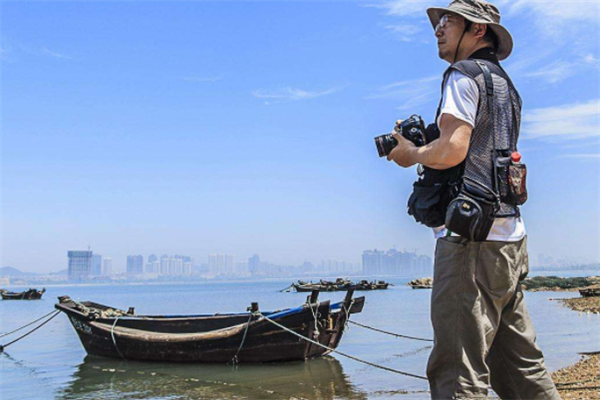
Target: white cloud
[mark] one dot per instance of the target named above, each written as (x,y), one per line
(553,10)
(410,8)
(590,59)
(586,156)
(413,17)
(405,33)
(563,69)
(412,93)
(570,121)
(54,54)
(291,94)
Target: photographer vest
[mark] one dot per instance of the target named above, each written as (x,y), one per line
(507,106)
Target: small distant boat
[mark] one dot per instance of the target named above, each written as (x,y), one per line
(31,294)
(216,338)
(339,285)
(423,283)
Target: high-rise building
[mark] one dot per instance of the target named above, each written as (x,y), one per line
(187,268)
(165,265)
(135,265)
(229,264)
(254,265)
(215,261)
(107,266)
(372,262)
(152,267)
(393,262)
(176,267)
(307,266)
(221,264)
(80,265)
(96,265)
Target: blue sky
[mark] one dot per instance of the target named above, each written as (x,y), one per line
(245,127)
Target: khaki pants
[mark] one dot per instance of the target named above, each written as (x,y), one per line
(483,333)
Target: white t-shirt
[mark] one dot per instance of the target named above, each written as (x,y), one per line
(460,99)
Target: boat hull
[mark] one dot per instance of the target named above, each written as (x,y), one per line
(211,339)
(31,294)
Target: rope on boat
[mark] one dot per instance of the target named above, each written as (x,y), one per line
(26,325)
(315,314)
(347,311)
(341,353)
(2,347)
(234,360)
(389,333)
(112,335)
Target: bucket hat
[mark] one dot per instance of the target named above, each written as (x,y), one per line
(479,12)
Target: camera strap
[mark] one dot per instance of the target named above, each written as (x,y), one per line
(489,91)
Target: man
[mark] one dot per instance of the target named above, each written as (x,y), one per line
(483,334)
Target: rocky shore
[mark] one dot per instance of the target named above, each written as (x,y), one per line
(580,381)
(583,304)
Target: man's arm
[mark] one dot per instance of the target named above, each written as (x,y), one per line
(446,152)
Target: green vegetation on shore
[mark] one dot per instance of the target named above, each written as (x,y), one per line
(539,282)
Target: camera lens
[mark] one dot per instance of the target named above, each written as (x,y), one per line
(385,144)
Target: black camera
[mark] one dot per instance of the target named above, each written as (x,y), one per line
(412,129)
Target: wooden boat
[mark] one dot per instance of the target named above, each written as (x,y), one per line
(31,294)
(422,283)
(217,338)
(339,285)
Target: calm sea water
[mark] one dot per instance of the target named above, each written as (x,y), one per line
(51,363)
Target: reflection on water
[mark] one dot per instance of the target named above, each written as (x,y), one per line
(100,378)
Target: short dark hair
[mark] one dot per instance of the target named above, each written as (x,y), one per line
(489,36)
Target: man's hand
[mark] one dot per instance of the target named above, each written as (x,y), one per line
(403,153)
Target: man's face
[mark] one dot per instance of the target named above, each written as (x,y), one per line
(448,34)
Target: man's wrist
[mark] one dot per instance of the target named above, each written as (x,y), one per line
(415,155)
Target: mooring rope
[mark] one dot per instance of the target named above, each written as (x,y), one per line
(316,315)
(2,347)
(112,335)
(234,360)
(347,311)
(341,353)
(25,326)
(390,333)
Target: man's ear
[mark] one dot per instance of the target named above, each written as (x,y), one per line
(479,30)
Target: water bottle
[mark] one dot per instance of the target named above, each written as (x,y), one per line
(517,179)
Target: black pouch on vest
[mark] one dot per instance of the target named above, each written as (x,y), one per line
(471,213)
(431,195)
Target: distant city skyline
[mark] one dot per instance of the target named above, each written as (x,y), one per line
(85,265)
(247,127)
(101,265)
